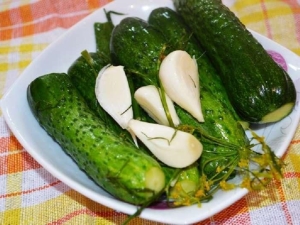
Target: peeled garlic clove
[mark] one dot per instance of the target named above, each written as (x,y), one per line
(179,76)
(149,99)
(173,147)
(113,94)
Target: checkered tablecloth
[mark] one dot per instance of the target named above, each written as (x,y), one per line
(30,195)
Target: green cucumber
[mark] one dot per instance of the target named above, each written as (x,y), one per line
(119,168)
(139,47)
(259,89)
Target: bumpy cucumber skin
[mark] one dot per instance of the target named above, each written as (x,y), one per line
(117,167)
(139,47)
(255,84)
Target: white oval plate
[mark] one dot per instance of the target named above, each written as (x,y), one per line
(59,56)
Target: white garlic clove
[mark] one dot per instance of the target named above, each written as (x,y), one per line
(149,99)
(173,147)
(113,94)
(179,76)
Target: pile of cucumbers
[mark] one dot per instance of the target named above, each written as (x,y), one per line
(240,84)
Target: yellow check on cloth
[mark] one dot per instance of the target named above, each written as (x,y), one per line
(31,195)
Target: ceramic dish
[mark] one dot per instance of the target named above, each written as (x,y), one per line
(60,55)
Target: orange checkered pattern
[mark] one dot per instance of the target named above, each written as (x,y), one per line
(30,195)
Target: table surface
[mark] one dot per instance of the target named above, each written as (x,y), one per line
(27,27)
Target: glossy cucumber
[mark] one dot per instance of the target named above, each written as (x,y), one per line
(140,48)
(259,89)
(119,168)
